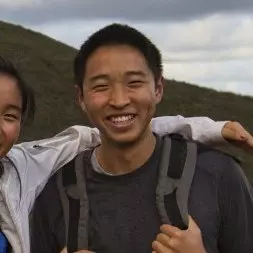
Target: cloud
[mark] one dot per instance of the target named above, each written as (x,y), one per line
(202,42)
(214,38)
(44,11)
(214,51)
(235,76)
(18,4)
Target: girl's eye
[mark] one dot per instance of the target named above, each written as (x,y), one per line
(11,117)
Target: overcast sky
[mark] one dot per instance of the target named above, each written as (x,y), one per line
(209,43)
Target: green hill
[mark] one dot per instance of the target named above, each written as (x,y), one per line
(47,65)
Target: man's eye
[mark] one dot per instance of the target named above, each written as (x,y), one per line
(101,87)
(136,83)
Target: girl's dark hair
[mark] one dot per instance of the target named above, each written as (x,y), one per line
(27,94)
(28,100)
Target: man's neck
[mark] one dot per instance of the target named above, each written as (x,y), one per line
(118,161)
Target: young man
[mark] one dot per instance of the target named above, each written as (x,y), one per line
(27,166)
(118,75)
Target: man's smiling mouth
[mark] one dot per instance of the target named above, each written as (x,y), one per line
(121,118)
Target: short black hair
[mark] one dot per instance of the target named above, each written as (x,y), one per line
(28,100)
(117,34)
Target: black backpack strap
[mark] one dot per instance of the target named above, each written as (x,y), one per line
(176,171)
(64,202)
(82,238)
(71,185)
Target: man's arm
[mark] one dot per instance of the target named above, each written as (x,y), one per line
(236,207)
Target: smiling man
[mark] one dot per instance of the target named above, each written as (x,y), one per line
(119,80)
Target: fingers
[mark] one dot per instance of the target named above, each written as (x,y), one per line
(167,241)
(160,248)
(172,239)
(170,230)
(163,239)
(235,133)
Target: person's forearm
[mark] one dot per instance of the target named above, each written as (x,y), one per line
(202,129)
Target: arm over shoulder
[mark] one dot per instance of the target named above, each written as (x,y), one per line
(202,129)
(36,161)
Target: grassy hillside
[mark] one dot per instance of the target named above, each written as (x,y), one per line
(46,64)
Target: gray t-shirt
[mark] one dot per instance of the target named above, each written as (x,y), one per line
(123,213)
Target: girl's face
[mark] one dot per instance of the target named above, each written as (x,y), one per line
(10,113)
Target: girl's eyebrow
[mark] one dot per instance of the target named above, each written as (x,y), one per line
(14,107)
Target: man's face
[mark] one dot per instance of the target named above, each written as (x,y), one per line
(119,93)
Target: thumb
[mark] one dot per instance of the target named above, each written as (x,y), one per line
(250,141)
(192,223)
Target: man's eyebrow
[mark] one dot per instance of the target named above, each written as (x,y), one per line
(98,77)
(136,73)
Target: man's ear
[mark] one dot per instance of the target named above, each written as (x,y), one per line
(79,97)
(159,89)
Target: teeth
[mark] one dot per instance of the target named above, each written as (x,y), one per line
(120,119)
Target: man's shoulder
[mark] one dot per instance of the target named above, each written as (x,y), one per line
(52,182)
(204,150)
(209,159)
(214,161)
(66,172)
(49,194)
(221,157)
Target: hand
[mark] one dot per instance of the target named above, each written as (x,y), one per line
(234,133)
(173,240)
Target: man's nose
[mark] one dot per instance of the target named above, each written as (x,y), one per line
(119,97)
